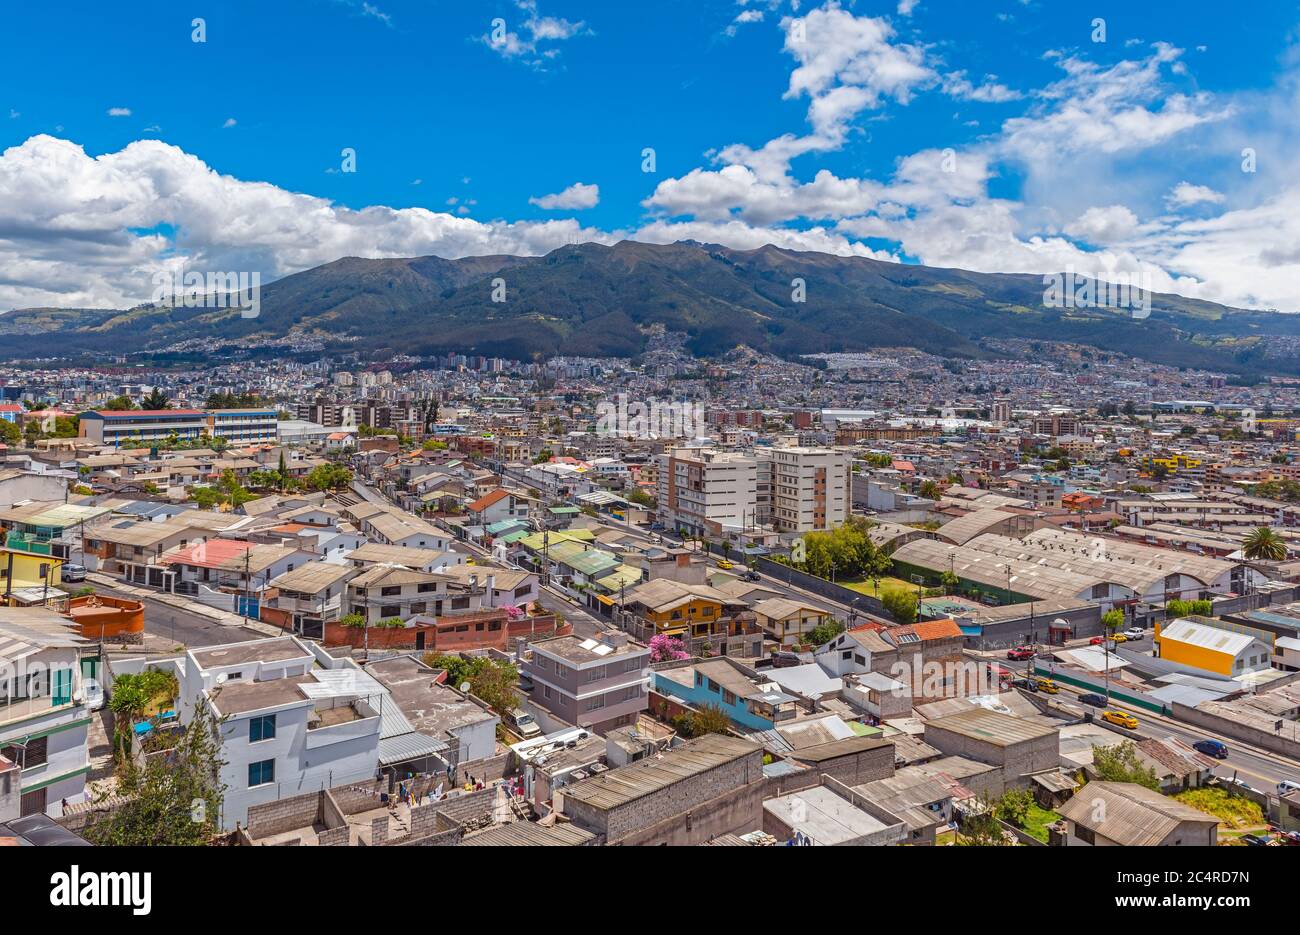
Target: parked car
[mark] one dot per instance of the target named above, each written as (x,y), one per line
(1092,698)
(1238,784)
(525,682)
(751,576)
(1256,840)
(1215,748)
(1287,786)
(1096,641)
(1120,719)
(784,660)
(523,724)
(1020,653)
(1135,633)
(92,695)
(73,572)
(1029,685)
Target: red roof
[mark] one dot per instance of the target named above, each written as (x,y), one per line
(10,407)
(125,413)
(210,554)
(485,501)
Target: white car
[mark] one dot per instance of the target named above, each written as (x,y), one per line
(92,695)
(1135,633)
(1286,785)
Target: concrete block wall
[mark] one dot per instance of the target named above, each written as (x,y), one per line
(670,803)
(297,811)
(334,837)
(857,768)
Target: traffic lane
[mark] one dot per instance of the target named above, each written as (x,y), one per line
(1259,771)
(182,627)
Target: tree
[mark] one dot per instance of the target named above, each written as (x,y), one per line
(328,477)
(825,632)
(492,681)
(980,827)
(174,799)
(664,648)
(10,434)
(353,621)
(1112,620)
(901,605)
(1120,763)
(706,719)
(1264,544)
(930,490)
(1180,608)
(156,399)
(118,404)
(1013,807)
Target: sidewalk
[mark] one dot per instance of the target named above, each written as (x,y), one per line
(223,617)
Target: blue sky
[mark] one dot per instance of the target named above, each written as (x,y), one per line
(1066,150)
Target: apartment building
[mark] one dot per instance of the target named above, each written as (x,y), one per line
(603,682)
(388,592)
(804,489)
(706,491)
(43,721)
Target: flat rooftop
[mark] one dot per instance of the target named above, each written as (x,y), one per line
(243,697)
(823,816)
(275,649)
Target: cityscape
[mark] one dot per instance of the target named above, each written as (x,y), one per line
(748,503)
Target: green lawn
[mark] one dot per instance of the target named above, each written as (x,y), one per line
(1037,820)
(1235,811)
(867,586)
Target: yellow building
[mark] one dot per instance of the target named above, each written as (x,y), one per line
(1209,645)
(24,571)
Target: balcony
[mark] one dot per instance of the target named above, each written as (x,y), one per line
(27,542)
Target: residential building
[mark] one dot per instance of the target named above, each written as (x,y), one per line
(705,491)
(807,489)
(1126,814)
(601,682)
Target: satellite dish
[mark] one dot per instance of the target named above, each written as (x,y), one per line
(465,686)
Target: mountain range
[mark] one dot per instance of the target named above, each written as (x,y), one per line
(598,300)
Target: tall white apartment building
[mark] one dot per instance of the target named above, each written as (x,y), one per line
(804,489)
(704,491)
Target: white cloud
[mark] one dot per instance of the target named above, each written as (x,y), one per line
(119,111)
(990,91)
(742,18)
(576,197)
(1103,225)
(525,42)
(230,122)
(1185,194)
(72,223)
(905,7)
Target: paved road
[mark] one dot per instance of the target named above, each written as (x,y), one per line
(170,623)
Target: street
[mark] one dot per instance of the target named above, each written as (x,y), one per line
(183,628)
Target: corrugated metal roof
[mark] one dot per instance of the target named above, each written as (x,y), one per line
(408,746)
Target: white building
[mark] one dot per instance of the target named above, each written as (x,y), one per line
(703,490)
(43,720)
(808,488)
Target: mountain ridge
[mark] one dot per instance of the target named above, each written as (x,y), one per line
(598,299)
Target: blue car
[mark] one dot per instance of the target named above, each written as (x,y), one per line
(1215,748)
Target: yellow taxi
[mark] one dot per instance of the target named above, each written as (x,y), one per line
(726,565)
(1119,638)
(1120,719)
(1047,685)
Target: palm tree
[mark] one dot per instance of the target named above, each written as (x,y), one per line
(156,399)
(1263,544)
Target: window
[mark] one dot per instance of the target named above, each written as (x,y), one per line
(427,587)
(391,591)
(390,610)
(261,728)
(35,753)
(261,773)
